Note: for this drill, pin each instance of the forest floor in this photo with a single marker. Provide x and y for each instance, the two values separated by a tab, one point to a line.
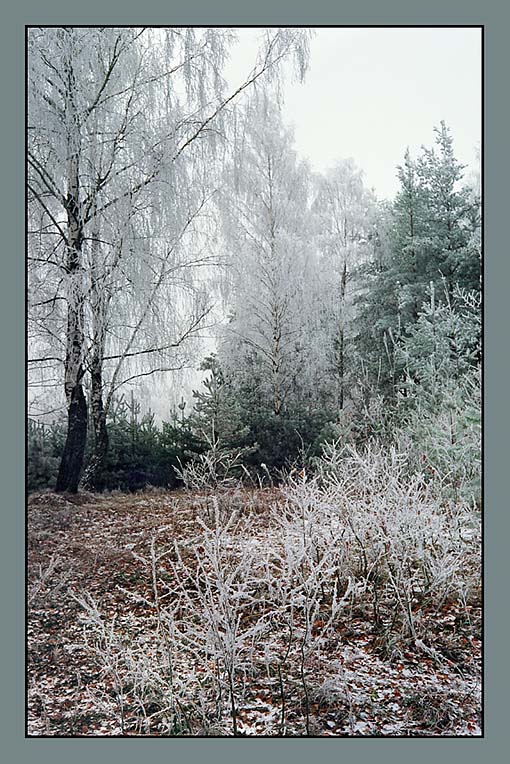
94	544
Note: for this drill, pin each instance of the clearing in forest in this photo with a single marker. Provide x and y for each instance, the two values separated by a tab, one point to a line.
248	612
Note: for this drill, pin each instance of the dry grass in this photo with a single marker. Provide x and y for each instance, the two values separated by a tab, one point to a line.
124	638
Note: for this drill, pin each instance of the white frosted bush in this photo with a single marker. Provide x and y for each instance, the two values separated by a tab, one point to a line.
365	538
384	527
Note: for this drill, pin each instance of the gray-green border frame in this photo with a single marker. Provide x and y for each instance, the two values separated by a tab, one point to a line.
495	18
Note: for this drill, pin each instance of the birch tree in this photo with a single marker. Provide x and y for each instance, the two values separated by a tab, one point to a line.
267	229
346	211
121	125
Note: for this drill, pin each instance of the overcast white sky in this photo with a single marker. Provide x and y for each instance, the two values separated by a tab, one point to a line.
370	93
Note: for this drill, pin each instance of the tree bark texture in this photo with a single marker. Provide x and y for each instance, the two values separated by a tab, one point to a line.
74	449
93	478
72	458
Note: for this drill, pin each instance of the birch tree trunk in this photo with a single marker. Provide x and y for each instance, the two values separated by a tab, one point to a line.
340	340
74	448
93	475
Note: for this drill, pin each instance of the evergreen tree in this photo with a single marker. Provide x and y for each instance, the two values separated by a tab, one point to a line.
433	240
217	417
441	413
450	218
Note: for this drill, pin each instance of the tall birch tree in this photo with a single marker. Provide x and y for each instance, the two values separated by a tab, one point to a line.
346	213
271	260
121	125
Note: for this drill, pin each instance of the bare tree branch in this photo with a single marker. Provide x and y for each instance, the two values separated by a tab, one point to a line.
47	211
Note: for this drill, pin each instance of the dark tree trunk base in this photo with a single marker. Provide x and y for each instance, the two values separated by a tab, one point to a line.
93	477
74	449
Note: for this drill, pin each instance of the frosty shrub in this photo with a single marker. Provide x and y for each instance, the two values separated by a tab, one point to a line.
235	604
139	673
217	621
190	669
445	442
47	583
384	527
305	587
441	411
216	467
226	609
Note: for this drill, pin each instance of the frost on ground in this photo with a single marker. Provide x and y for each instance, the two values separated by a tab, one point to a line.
320	609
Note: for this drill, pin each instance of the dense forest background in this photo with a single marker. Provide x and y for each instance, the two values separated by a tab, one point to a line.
163	208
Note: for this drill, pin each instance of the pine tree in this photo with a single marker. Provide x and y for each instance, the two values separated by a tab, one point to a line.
450	218
217	417
433	240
